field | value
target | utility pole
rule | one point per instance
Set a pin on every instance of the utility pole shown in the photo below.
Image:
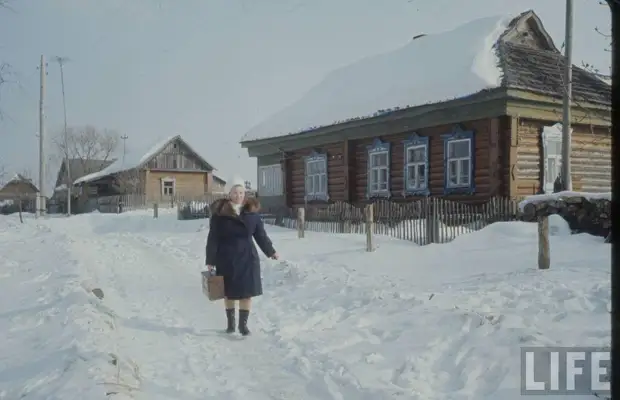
(124, 138)
(61, 61)
(41, 197)
(568, 94)
(614, 374)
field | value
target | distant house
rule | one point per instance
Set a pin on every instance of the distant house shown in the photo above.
(77, 168)
(468, 115)
(171, 169)
(18, 192)
(219, 184)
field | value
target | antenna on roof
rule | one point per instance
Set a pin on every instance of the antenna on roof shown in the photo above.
(419, 36)
(124, 139)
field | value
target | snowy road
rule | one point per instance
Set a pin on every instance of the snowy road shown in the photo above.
(169, 328)
(335, 322)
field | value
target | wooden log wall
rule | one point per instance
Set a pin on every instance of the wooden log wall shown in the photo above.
(590, 157)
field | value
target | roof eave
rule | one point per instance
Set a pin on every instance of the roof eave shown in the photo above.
(523, 93)
(209, 166)
(485, 95)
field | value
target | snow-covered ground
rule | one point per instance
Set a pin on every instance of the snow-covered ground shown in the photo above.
(405, 322)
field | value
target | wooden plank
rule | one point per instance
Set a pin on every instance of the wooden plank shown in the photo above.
(493, 162)
(550, 112)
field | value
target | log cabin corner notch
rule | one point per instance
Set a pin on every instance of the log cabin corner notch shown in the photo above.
(479, 145)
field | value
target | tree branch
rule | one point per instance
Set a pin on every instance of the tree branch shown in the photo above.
(86, 144)
(2, 174)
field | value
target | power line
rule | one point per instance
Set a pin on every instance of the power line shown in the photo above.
(69, 183)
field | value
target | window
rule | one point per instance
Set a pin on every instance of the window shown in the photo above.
(459, 162)
(416, 165)
(168, 186)
(316, 176)
(553, 162)
(379, 169)
(270, 180)
(552, 155)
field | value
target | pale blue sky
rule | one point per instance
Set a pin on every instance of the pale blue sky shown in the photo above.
(211, 69)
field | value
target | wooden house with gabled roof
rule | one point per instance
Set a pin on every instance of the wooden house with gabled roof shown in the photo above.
(20, 192)
(485, 124)
(170, 169)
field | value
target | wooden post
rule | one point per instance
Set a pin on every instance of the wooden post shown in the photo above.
(544, 260)
(301, 221)
(429, 222)
(155, 211)
(369, 227)
(21, 217)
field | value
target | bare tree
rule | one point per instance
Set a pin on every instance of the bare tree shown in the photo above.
(4, 78)
(590, 67)
(587, 114)
(26, 173)
(2, 174)
(87, 144)
(4, 67)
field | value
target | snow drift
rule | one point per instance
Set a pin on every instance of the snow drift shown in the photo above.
(443, 321)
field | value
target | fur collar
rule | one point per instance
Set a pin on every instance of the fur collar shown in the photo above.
(224, 208)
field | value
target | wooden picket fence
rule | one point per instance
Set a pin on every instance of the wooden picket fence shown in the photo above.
(131, 202)
(425, 221)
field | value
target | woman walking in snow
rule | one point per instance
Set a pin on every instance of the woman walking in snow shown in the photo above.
(231, 251)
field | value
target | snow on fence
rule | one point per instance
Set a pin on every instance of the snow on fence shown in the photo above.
(131, 202)
(430, 220)
(198, 208)
(119, 204)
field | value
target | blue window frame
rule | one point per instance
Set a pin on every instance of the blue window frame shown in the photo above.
(459, 162)
(416, 165)
(378, 169)
(316, 176)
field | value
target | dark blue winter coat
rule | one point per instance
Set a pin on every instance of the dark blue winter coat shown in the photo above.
(231, 250)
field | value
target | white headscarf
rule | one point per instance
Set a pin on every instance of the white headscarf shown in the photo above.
(235, 180)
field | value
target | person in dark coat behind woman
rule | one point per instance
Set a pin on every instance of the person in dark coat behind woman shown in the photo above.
(230, 249)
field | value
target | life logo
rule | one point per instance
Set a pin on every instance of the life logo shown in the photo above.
(565, 371)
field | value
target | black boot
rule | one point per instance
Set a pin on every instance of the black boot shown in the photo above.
(243, 322)
(230, 316)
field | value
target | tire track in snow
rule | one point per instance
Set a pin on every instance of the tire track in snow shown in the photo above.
(324, 376)
(163, 313)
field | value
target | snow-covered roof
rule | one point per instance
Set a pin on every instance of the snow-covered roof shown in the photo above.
(19, 178)
(132, 159)
(603, 77)
(429, 69)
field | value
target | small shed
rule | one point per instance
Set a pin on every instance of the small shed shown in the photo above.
(18, 190)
